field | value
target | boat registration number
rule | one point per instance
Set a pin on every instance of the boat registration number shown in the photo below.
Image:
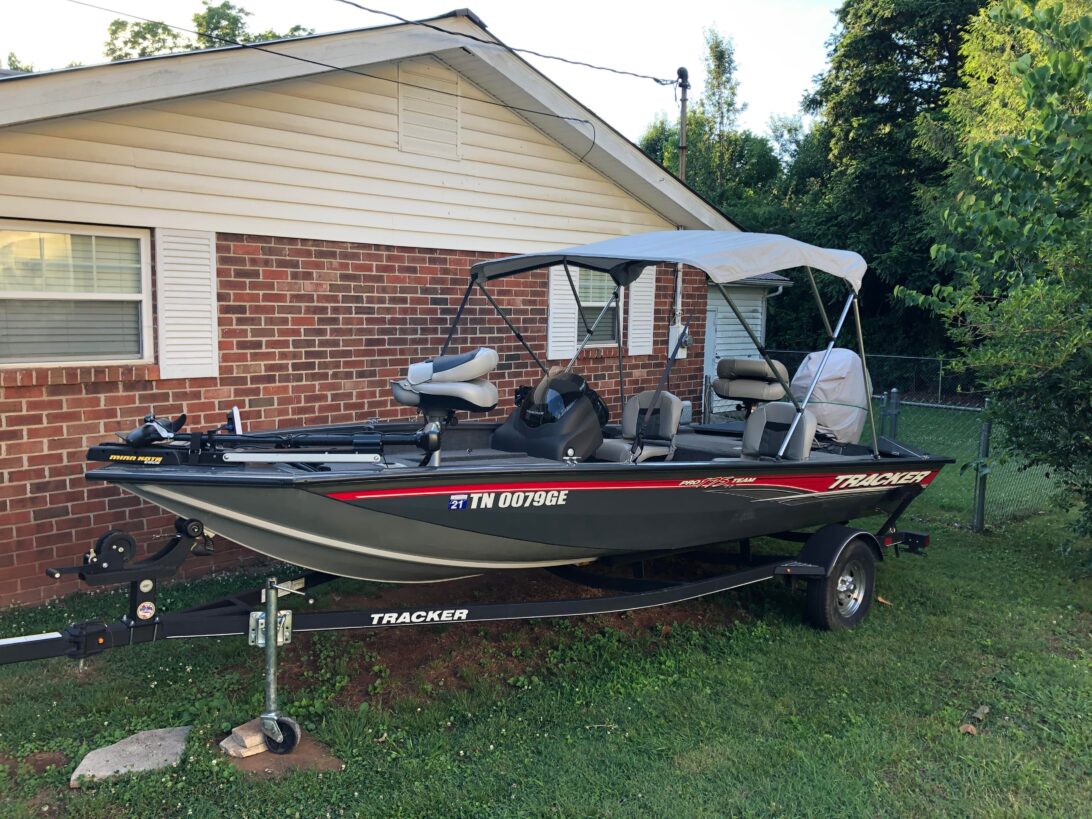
(508, 500)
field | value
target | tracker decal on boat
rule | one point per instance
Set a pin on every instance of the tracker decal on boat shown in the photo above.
(548, 493)
(394, 618)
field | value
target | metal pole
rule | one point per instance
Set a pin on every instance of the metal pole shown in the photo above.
(458, 315)
(269, 715)
(979, 522)
(512, 327)
(587, 338)
(706, 400)
(893, 413)
(819, 302)
(850, 300)
(867, 379)
(759, 346)
(684, 86)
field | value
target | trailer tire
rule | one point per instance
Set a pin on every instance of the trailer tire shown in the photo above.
(290, 733)
(843, 598)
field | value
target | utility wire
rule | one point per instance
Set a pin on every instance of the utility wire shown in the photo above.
(497, 43)
(268, 50)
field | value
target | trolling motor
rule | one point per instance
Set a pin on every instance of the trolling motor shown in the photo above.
(153, 430)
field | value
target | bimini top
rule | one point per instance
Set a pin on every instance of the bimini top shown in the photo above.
(725, 256)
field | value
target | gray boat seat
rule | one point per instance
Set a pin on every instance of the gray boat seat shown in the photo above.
(450, 382)
(749, 381)
(767, 427)
(659, 435)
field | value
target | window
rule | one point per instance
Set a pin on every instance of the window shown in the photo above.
(595, 289)
(73, 293)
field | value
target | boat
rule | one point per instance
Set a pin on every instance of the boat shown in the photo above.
(556, 483)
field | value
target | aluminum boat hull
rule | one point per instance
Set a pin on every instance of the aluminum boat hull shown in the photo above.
(422, 525)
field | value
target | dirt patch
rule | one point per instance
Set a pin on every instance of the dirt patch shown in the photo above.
(309, 755)
(11, 764)
(41, 761)
(416, 661)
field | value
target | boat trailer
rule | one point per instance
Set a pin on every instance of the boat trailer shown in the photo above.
(250, 613)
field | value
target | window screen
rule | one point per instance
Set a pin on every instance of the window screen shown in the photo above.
(70, 296)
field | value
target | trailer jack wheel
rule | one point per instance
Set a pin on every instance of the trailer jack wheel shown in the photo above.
(843, 598)
(290, 737)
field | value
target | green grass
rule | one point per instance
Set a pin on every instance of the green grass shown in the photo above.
(751, 713)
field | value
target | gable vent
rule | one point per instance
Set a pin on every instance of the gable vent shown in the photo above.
(428, 109)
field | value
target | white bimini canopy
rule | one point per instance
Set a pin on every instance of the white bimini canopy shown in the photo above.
(724, 256)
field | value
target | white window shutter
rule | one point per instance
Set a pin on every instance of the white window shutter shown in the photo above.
(185, 276)
(562, 317)
(642, 303)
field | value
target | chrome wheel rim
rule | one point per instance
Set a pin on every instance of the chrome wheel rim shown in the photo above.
(851, 589)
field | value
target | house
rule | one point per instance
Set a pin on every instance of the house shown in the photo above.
(256, 228)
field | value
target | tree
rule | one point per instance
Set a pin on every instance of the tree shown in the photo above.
(890, 60)
(216, 25)
(736, 170)
(15, 64)
(1017, 231)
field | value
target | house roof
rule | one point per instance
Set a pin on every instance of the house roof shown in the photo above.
(494, 68)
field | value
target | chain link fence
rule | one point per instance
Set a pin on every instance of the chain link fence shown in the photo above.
(925, 403)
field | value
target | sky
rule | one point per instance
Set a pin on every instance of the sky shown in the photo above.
(780, 44)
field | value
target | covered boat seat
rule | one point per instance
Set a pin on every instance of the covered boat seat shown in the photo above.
(750, 381)
(767, 427)
(659, 435)
(450, 382)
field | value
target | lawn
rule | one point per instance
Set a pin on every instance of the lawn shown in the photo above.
(726, 706)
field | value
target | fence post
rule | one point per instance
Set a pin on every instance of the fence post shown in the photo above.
(893, 414)
(979, 522)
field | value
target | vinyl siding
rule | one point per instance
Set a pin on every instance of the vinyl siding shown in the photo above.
(320, 157)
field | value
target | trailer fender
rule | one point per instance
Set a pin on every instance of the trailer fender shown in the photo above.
(824, 547)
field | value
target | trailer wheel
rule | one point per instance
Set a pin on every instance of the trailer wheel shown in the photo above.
(290, 737)
(843, 598)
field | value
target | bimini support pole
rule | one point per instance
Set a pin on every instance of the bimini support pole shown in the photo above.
(867, 379)
(819, 302)
(511, 326)
(458, 317)
(850, 301)
(759, 346)
(610, 303)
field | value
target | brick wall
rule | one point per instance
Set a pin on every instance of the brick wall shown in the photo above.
(311, 332)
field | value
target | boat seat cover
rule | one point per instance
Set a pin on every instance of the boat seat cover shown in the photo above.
(749, 379)
(661, 430)
(841, 395)
(452, 368)
(767, 427)
(479, 394)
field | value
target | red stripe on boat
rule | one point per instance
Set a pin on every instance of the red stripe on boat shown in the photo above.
(805, 483)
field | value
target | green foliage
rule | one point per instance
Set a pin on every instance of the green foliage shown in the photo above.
(15, 64)
(216, 25)
(737, 171)
(890, 60)
(1016, 231)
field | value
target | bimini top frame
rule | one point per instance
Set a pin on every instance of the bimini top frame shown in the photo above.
(724, 257)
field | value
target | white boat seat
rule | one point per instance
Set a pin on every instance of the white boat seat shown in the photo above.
(659, 435)
(767, 427)
(450, 382)
(749, 381)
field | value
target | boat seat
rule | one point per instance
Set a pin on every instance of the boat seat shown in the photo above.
(750, 381)
(450, 382)
(767, 427)
(659, 440)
